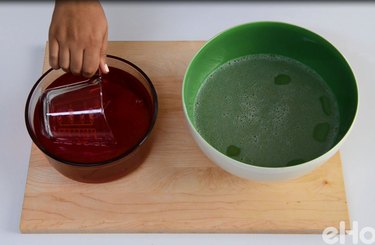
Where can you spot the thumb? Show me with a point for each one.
(103, 52)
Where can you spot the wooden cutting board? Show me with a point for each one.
(177, 189)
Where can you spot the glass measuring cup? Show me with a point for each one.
(74, 114)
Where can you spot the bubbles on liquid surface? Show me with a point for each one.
(321, 131)
(282, 79)
(233, 150)
(326, 106)
(241, 112)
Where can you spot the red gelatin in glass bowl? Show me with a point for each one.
(130, 107)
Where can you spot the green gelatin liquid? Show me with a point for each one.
(267, 110)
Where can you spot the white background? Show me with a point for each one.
(23, 33)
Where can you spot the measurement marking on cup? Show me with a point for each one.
(80, 132)
(67, 113)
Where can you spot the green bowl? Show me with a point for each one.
(277, 39)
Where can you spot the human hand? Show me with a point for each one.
(78, 37)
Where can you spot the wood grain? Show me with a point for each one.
(177, 189)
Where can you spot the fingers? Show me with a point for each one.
(103, 66)
(64, 58)
(91, 58)
(53, 53)
(103, 52)
(76, 56)
(75, 60)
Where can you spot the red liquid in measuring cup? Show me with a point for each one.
(128, 109)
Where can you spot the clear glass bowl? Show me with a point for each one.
(103, 170)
